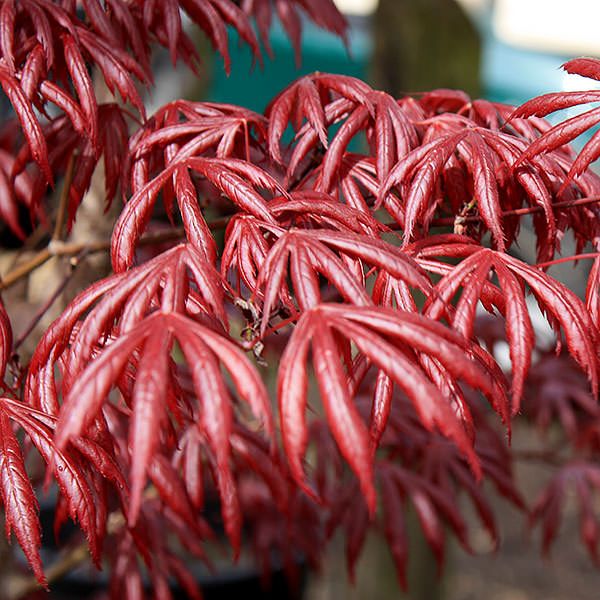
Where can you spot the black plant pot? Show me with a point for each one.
(232, 582)
(235, 584)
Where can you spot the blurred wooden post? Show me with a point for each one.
(420, 45)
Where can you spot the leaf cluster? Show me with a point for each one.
(324, 363)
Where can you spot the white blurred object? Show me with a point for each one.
(476, 8)
(567, 27)
(359, 8)
(575, 83)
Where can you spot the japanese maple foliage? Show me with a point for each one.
(356, 279)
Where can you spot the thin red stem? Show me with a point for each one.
(517, 212)
(564, 259)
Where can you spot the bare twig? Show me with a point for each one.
(546, 457)
(565, 259)
(17, 586)
(48, 304)
(61, 215)
(58, 248)
(25, 268)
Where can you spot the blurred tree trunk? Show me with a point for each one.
(424, 44)
(375, 572)
(419, 45)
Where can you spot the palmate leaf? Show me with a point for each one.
(491, 115)
(326, 100)
(179, 280)
(18, 498)
(143, 552)
(562, 307)
(340, 258)
(163, 22)
(213, 16)
(584, 479)
(460, 159)
(566, 131)
(51, 65)
(116, 67)
(48, 58)
(15, 192)
(252, 452)
(195, 129)
(182, 130)
(558, 391)
(254, 460)
(276, 537)
(67, 145)
(238, 180)
(437, 459)
(81, 503)
(317, 210)
(307, 99)
(398, 487)
(323, 14)
(146, 347)
(389, 129)
(75, 472)
(357, 185)
(435, 501)
(277, 517)
(249, 240)
(119, 25)
(163, 471)
(421, 467)
(433, 508)
(245, 250)
(392, 341)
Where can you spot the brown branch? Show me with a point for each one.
(58, 248)
(61, 215)
(18, 586)
(25, 268)
(546, 457)
(48, 304)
